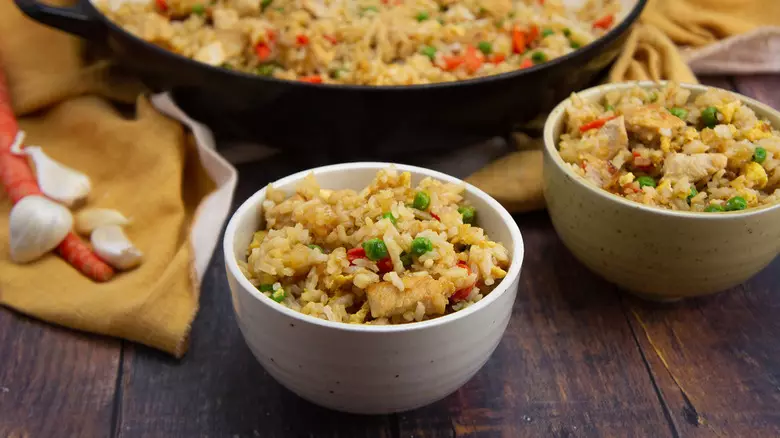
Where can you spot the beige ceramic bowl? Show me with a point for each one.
(362, 368)
(657, 254)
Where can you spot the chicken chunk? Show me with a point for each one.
(617, 137)
(649, 122)
(387, 300)
(695, 166)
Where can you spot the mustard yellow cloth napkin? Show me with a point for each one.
(146, 166)
(670, 37)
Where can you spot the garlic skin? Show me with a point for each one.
(57, 181)
(37, 225)
(89, 219)
(112, 245)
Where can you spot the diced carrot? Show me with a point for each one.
(604, 22)
(464, 293)
(533, 33)
(263, 51)
(302, 39)
(331, 38)
(314, 79)
(526, 63)
(452, 62)
(162, 5)
(472, 59)
(271, 35)
(598, 123)
(518, 40)
(541, 2)
(497, 58)
(356, 253)
(385, 265)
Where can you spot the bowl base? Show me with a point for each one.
(655, 298)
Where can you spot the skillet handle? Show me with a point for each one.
(72, 19)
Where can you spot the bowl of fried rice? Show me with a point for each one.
(372, 287)
(667, 190)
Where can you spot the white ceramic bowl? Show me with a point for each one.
(371, 369)
(658, 254)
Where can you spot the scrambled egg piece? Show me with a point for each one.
(758, 132)
(626, 179)
(666, 144)
(257, 239)
(497, 272)
(728, 110)
(691, 134)
(756, 174)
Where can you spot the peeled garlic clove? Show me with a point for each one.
(89, 219)
(57, 181)
(112, 245)
(37, 226)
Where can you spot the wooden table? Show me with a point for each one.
(580, 358)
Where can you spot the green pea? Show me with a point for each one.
(421, 245)
(485, 47)
(714, 208)
(198, 9)
(337, 72)
(680, 113)
(610, 107)
(693, 193)
(422, 16)
(547, 32)
(390, 216)
(575, 45)
(429, 51)
(421, 201)
(266, 69)
(759, 155)
(646, 181)
(538, 57)
(566, 32)
(468, 214)
(709, 117)
(652, 97)
(375, 249)
(406, 259)
(266, 287)
(736, 203)
(313, 246)
(369, 9)
(278, 295)
(265, 3)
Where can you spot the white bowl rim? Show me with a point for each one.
(559, 111)
(250, 207)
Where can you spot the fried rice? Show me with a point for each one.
(366, 42)
(387, 254)
(664, 148)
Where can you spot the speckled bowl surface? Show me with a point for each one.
(658, 254)
(371, 369)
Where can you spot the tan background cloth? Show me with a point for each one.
(137, 166)
(720, 36)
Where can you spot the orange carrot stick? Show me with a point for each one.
(19, 181)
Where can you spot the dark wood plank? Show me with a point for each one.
(54, 382)
(716, 359)
(568, 365)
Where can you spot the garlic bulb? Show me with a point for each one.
(112, 245)
(89, 219)
(37, 226)
(57, 181)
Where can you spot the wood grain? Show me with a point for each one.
(54, 382)
(716, 360)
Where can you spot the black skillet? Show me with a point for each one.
(347, 121)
